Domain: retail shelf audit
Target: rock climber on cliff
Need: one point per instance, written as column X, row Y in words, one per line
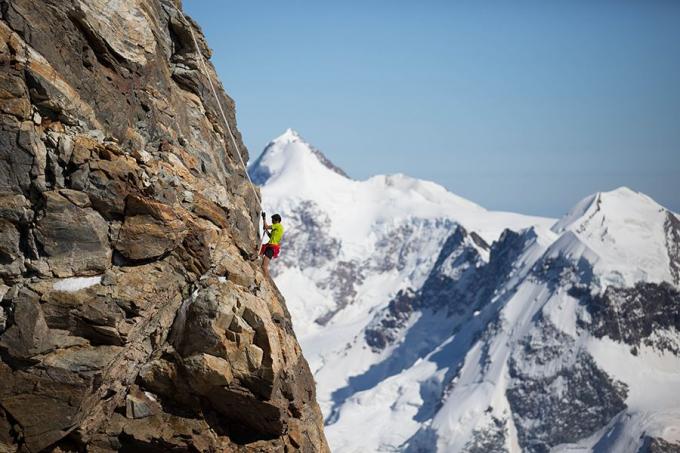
column 271, row 249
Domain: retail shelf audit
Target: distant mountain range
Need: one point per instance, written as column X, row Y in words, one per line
column 433, row 324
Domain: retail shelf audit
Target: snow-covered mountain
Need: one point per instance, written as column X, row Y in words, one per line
column 432, row 324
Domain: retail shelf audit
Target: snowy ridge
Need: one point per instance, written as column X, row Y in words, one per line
column 296, row 171
column 432, row 324
column 623, row 232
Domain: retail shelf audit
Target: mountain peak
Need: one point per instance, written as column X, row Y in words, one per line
column 624, row 193
column 289, row 135
column 623, row 190
column 289, row 153
column 625, row 230
column 613, row 205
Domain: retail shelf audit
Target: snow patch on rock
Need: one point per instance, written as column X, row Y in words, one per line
column 74, row 284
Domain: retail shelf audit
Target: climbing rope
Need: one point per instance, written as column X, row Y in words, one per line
column 219, row 105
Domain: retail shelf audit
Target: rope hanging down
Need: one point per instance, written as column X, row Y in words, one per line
column 224, row 117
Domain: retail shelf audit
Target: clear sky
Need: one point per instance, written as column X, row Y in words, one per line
column 524, row 106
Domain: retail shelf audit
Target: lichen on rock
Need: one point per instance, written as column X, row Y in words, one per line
column 130, row 316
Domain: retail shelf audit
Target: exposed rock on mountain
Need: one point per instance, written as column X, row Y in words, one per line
column 647, row 313
column 130, row 319
column 554, row 400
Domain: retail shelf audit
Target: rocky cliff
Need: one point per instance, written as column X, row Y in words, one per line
column 130, row 316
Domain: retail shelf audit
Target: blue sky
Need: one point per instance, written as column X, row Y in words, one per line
column 523, row 106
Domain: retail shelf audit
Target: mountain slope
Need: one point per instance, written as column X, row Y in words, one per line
column 430, row 326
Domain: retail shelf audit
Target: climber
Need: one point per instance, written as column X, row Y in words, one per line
column 271, row 249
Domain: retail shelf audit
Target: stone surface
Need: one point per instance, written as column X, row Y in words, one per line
column 130, row 319
column 28, row 334
column 139, row 404
column 73, row 236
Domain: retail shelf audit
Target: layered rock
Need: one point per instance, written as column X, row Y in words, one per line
column 130, row 316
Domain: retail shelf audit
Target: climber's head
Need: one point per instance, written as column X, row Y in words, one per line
column 276, row 218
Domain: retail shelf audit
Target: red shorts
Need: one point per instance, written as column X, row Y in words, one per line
column 270, row 250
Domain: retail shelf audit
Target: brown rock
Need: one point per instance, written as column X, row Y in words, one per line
column 82, row 149
column 207, row 372
column 84, row 361
column 74, row 239
column 28, row 335
column 160, row 376
column 208, row 316
column 143, row 237
column 151, row 229
column 139, row 404
column 16, row 157
column 7, row 443
column 110, row 138
column 254, row 355
column 9, row 242
column 131, row 16
column 206, row 209
column 87, row 313
column 14, row 96
column 232, row 267
column 44, row 403
column 110, row 182
column 15, row 208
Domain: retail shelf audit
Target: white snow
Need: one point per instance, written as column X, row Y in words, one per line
column 653, row 377
column 622, row 233
column 74, row 284
column 376, row 401
column 356, row 207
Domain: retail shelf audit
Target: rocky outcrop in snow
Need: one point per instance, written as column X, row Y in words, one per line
column 129, row 318
column 557, row 393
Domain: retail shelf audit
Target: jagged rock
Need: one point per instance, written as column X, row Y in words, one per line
column 656, row 445
column 44, row 405
column 635, row 315
column 139, row 404
column 130, row 319
column 16, row 162
column 15, row 208
column 86, row 314
column 6, row 435
column 14, row 96
column 209, row 371
column 73, row 236
column 28, row 334
column 491, row 439
column 384, row 328
column 9, row 242
column 150, row 230
column 558, row 394
column 672, row 229
column 110, row 180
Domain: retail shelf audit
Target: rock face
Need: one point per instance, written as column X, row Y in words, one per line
column 130, row 317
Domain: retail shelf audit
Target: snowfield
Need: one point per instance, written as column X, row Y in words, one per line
column 433, row 324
